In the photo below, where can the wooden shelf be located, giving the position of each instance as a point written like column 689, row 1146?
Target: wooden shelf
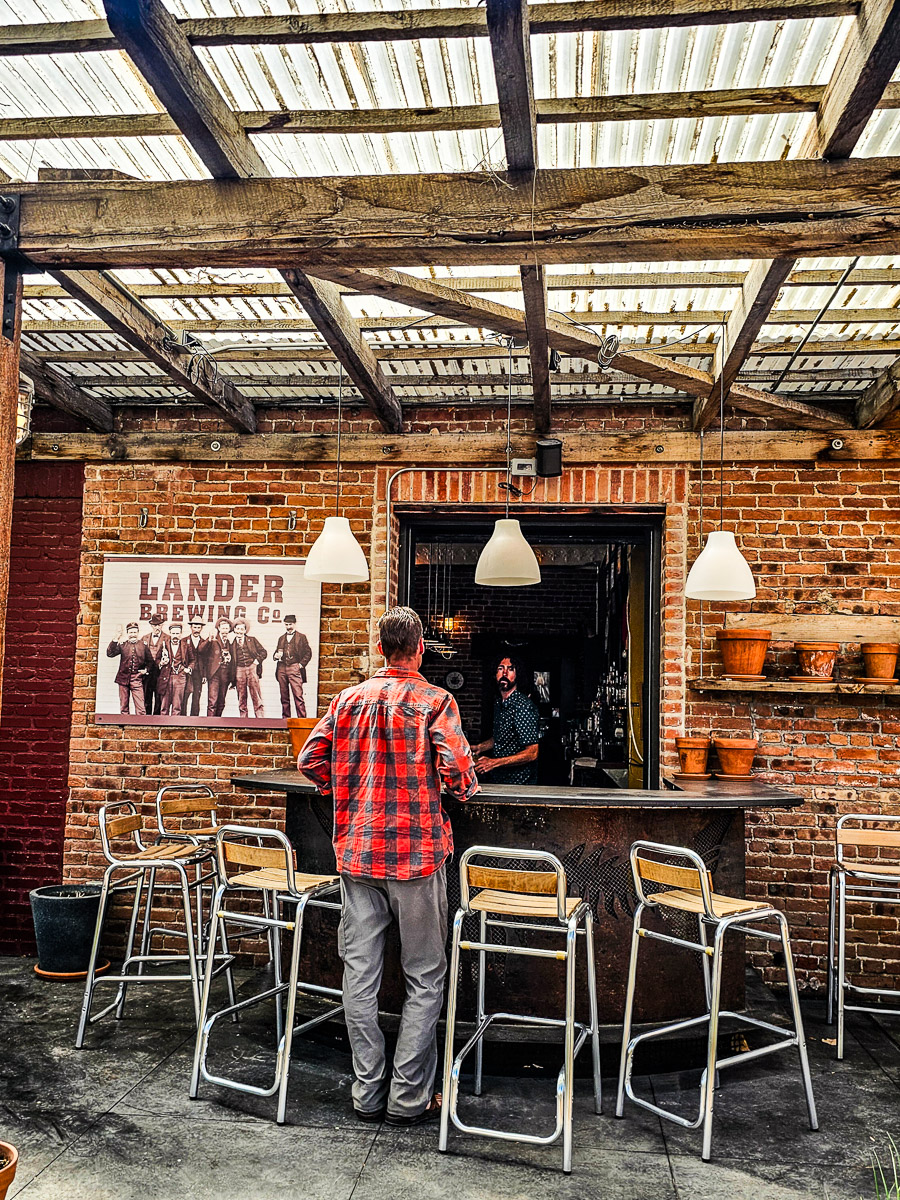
column 847, row 687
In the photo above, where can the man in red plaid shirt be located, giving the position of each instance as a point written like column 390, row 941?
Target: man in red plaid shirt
column 384, row 751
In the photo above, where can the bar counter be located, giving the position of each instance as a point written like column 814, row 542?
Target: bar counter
column 590, row 830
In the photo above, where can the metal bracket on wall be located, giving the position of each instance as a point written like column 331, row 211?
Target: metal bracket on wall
column 14, row 262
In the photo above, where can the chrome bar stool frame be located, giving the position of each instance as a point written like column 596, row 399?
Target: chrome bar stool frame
column 119, row 819
column 266, row 869
column 864, row 881
column 513, row 890
column 693, row 895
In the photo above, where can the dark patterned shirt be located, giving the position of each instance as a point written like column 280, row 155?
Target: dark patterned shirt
column 384, row 751
column 517, row 725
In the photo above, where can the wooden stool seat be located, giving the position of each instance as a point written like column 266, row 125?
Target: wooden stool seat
column 516, row 905
column 167, row 852
column 688, row 900
column 271, row 879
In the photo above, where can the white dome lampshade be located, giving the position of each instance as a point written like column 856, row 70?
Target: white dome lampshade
column 336, row 556
column 507, row 560
column 720, row 572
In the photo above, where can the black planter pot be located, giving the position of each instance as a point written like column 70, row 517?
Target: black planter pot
column 65, row 916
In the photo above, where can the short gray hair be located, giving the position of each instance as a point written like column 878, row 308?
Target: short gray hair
column 399, row 631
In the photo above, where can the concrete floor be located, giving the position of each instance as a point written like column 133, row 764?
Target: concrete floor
column 114, row 1121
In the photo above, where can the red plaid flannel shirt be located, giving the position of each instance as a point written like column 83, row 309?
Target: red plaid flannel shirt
column 384, row 751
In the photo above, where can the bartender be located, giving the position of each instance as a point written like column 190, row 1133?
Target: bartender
column 510, row 756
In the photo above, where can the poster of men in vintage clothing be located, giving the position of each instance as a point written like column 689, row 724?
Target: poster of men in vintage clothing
column 207, row 641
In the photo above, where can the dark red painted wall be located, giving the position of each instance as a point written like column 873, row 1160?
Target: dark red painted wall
column 38, row 677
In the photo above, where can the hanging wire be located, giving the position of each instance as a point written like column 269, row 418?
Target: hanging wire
column 819, row 315
column 508, row 423
column 337, row 495
column 702, row 435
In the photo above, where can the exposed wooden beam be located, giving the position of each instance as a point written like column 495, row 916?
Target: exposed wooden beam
column 637, row 214
column 568, row 337
column 534, row 294
column 581, row 449
column 61, row 393
column 510, row 38
column 652, row 106
column 151, row 36
column 612, row 282
column 758, row 294
column 162, row 53
column 596, row 15
column 475, row 318
column 323, row 303
column 137, row 326
column 881, row 399
column 868, row 59
column 469, row 352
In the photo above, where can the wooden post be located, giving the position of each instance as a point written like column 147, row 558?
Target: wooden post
column 9, row 402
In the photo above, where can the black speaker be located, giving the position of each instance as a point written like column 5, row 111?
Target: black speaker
column 549, row 457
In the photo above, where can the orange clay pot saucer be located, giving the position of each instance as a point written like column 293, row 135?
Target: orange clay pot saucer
column 69, row 974
column 682, row 775
column 876, row 679
column 737, row 778
column 747, row 678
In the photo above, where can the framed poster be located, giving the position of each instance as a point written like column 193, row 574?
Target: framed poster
column 194, row 640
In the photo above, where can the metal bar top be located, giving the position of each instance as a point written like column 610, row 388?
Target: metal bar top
column 712, row 793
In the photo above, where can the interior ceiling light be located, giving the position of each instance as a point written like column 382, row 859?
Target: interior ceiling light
column 336, row 556
column 507, row 560
column 720, row 571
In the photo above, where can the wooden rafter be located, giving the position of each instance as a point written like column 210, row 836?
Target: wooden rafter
column 569, row 338
column 758, row 294
column 652, row 106
column 638, row 214
column 416, row 449
column 581, row 15
column 611, row 282
column 608, row 318
column 867, row 61
column 881, row 399
column 162, row 53
column 329, row 314
column 53, row 388
column 140, row 328
column 466, row 351
column 510, row 37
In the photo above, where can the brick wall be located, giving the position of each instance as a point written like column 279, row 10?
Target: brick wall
column 820, row 538
column 38, row 675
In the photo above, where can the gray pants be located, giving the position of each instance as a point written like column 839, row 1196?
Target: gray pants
column 419, row 907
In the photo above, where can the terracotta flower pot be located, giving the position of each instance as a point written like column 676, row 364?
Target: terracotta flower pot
column 743, row 650
column 300, row 728
column 692, row 754
column 880, row 659
column 8, row 1170
column 817, row 659
column 736, row 754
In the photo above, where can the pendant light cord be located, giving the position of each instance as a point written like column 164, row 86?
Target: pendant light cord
column 721, row 433
column 337, row 493
column 509, row 368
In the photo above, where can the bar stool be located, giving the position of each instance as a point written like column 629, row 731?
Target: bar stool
column 121, row 820
column 526, row 901
column 260, row 862
column 870, row 881
column 691, row 893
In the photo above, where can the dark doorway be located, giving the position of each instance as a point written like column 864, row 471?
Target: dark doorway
column 587, row 635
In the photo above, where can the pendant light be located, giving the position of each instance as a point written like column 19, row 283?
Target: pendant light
column 336, row 556
column 720, row 571
column 507, row 560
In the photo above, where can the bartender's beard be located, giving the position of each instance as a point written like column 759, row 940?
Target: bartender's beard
column 507, row 687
